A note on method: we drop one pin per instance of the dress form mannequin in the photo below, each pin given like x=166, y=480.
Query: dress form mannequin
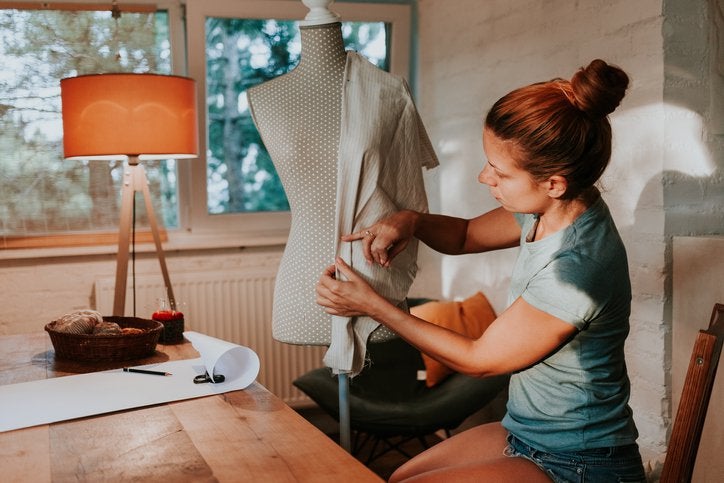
x=349, y=145
x=298, y=115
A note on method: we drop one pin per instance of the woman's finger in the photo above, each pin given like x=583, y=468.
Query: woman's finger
x=393, y=251
x=358, y=235
x=329, y=276
x=322, y=300
x=346, y=270
x=322, y=291
x=379, y=250
x=382, y=250
x=367, y=242
x=367, y=236
x=329, y=272
x=327, y=298
x=377, y=244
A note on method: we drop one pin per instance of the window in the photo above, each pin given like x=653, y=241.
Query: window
x=230, y=190
x=40, y=193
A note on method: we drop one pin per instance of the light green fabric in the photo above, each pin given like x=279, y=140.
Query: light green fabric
x=577, y=398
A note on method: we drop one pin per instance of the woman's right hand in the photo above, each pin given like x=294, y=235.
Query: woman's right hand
x=384, y=240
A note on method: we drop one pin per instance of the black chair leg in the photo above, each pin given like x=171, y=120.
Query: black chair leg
x=423, y=442
x=372, y=456
x=387, y=446
x=380, y=445
x=360, y=440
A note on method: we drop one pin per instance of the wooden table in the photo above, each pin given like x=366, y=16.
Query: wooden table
x=248, y=435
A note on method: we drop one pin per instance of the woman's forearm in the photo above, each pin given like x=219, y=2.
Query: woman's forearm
x=445, y=234
x=454, y=236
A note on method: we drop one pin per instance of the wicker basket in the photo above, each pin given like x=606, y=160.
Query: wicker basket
x=120, y=347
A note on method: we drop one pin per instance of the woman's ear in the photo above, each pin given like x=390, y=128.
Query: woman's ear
x=556, y=186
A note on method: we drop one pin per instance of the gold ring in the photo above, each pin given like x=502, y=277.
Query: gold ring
x=369, y=233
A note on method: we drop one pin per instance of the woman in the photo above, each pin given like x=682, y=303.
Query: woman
x=562, y=336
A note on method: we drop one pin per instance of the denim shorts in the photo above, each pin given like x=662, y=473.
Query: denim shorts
x=599, y=465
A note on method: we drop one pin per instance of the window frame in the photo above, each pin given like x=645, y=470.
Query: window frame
x=197, y=228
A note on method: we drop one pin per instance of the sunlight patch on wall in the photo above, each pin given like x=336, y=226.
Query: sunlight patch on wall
x=685, y=149
x=647, y=142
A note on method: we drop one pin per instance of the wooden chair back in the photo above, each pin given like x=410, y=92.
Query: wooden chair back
x=689, y=421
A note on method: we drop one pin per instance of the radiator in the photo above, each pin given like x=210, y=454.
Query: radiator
x=231, y=305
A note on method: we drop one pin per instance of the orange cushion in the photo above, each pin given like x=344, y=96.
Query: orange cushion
x=470, y=317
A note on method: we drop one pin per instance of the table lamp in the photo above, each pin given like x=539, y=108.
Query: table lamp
x=131, y=117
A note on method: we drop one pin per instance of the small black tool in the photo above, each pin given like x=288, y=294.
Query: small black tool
x=205, y=378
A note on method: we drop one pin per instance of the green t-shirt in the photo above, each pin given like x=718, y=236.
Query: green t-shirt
x=577, y=397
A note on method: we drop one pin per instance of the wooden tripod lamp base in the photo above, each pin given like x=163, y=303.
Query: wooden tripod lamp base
x=134, y=180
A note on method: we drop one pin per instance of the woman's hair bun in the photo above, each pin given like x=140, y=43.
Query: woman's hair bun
x=599, y=88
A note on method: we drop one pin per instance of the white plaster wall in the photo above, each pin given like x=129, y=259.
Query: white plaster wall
x=473, y=52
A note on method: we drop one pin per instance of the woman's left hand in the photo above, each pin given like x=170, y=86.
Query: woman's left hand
x=350, y=298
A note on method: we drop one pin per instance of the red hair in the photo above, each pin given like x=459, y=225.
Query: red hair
x=561, y=127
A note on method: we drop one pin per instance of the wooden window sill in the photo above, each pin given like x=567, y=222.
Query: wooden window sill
x=74, y=240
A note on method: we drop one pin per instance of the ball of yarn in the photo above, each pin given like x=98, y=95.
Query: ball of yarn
x=107, y=328
x=79, y=322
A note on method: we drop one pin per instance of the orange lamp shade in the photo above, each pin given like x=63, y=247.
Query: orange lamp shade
x=108, y=116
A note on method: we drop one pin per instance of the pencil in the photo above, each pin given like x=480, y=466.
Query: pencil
x=145, y=371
